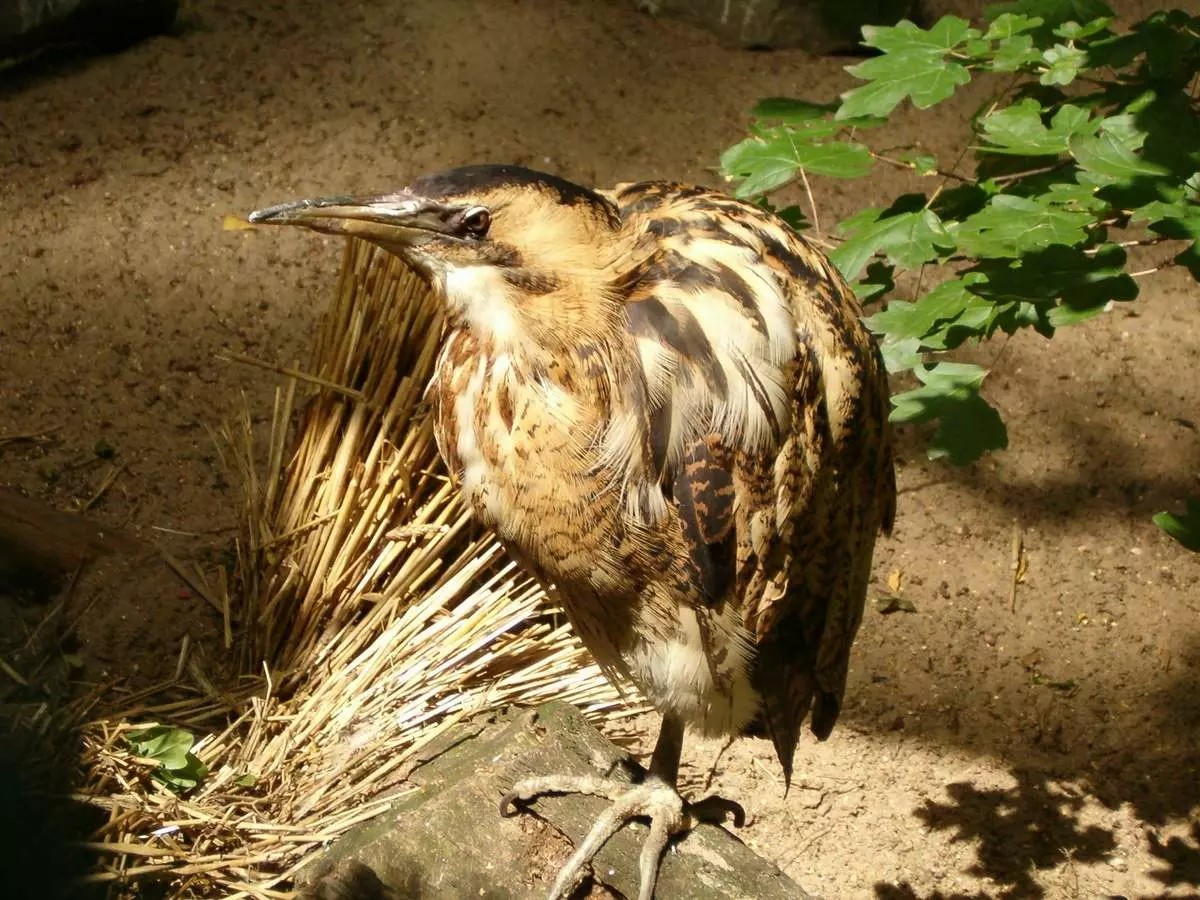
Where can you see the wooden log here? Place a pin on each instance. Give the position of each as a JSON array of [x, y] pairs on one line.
[[446, 839], [40, 542]]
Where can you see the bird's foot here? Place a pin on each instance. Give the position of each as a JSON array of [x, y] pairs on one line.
[[652, 798]]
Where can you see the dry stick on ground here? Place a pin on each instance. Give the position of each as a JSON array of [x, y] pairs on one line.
[[369, 614], [1017, 572]]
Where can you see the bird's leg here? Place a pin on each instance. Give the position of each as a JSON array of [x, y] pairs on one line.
[[654, 797]]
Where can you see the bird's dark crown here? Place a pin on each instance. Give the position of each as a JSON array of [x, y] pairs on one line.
[[486, 177]]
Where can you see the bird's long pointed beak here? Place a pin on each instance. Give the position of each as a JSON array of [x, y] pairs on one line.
[[392, 219]]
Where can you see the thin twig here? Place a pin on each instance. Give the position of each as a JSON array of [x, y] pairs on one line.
[[109, 478], [812, 202], [1016, 176], [1017, 549], [900, 164], [12, 673], [34, 436], [291, 372], [192, 582]]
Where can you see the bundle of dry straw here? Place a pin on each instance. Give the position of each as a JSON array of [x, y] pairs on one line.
[[372, 615]]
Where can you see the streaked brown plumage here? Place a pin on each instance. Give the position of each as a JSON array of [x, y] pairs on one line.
[[664, 403]]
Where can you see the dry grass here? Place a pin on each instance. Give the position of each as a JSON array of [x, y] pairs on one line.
[[366, 616]]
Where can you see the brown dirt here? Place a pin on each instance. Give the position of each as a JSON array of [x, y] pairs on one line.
[[985, 752]]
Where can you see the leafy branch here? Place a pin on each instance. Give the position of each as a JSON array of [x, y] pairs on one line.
[[1089, 132]]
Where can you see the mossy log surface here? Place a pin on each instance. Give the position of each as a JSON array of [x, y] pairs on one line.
[[444, 836]]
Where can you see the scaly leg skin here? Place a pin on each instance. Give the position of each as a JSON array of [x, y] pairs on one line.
[[655, 798]]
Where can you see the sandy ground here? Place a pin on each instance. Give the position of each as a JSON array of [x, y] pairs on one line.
[[1046, 749]]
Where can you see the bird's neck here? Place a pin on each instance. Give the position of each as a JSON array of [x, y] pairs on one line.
[[529, 312]]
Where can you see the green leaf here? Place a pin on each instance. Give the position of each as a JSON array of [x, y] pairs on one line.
[[1053, 12], [794, 216], [924, 77], [1069, 284], [792, 112], [1074, 196], [908, 238], [1074, 31], [901, 355], [1185, 528], [968, 427], [877, 282], [179, 768], [1015, 53], [1011, 225], [922, 163], [759, 172], [170, 746], [767, 162], [946, 34], [1019, 130], [1125, 129], [1184, 227], [1109, 161], [944, 303], [1008, 24], [1062, 64]]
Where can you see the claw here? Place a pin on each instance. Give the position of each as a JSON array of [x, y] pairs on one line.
[[713, 810], [511, 804], [651, 798]]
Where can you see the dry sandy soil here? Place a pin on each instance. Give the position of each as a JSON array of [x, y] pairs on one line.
[[1046, 750]]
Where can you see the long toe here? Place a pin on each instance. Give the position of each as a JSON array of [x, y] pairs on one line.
[[653, 799]]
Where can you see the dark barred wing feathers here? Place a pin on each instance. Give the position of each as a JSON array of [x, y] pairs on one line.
[[767, 424]]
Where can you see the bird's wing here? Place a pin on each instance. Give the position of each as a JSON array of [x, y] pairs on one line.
[[767, 420]]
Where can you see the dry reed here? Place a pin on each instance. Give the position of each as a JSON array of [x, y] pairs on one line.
[[369, 615]]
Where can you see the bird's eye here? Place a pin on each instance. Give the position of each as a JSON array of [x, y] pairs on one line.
[[477, 221]]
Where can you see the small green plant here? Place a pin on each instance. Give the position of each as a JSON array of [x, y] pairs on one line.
[[1088, 146], [1185, 528], [179, 769]]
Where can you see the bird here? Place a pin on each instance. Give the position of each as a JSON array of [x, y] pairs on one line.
[[664, 403]]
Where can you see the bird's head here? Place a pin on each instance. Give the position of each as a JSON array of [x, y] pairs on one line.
[[515, 254]]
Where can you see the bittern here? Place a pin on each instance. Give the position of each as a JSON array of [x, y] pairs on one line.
[[664, 403]]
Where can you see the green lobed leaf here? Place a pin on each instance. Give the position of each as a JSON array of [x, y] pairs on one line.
[[1062, 64], [1184, 226], [1185, 528], [794, 216], [875, 283], [1124, 128], [946, 34], [1109, 161], [1067, 283], [908, 237], [1074, 196], [1019, 129], [1007, 25], [922, 76], [945, 303], [1014, 53], [1010, 225], [1075, 31], [901, 355], [792, 112], [1052, 12], [949, 392], [767, 162]]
